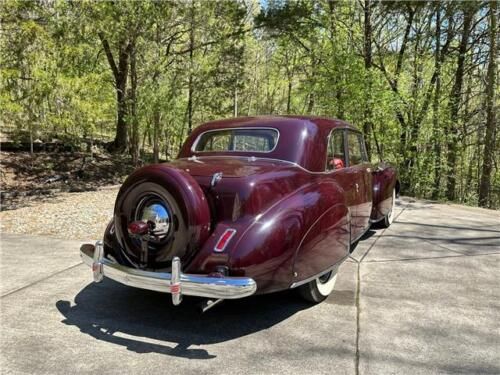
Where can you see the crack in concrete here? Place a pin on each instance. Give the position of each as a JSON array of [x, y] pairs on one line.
[[428, 258], [40, 280], [358, 277], [358, 290], [358, 293]]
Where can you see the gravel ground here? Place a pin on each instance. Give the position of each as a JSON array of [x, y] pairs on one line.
[[75, 216]]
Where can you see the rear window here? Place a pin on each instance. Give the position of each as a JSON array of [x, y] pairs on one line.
[[237, 140]]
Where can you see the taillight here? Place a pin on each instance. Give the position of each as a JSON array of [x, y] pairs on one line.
[[138, 228], [224, 240]]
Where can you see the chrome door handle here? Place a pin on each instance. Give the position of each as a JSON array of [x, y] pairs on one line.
[[357, 188], [369, 170]]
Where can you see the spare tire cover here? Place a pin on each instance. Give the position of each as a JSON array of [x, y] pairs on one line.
[[176, 201]]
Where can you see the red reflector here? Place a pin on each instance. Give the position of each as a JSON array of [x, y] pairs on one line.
[[175, 288], [224, 240]]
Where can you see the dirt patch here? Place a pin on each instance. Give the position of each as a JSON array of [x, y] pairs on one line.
[[30, 179]]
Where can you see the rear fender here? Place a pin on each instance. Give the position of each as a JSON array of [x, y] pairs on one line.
[[266, 246], [326, 243], [384, 181]]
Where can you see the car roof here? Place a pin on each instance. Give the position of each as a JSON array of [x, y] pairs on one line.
[[302, 139], [323, 123]]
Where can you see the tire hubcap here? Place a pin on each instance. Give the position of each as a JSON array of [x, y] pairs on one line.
[[156, 212]]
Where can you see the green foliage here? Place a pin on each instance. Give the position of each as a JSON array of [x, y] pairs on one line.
[[210, 60]]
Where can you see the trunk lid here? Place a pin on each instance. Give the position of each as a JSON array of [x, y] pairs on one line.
[[248, 185], [229, 167]]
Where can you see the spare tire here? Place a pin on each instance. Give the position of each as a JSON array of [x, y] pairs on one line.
[[177, 206]]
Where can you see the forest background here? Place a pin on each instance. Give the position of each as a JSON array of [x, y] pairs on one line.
[[135, 77]]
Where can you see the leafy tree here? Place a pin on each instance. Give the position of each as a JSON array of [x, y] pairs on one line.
[[419, 78]]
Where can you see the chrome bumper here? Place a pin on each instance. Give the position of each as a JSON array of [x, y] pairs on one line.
[[175, 282]]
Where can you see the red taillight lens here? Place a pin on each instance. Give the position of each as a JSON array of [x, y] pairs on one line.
[[224, 240], [138, 228]]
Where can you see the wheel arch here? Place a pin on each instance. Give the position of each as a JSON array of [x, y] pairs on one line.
[[327, 241]]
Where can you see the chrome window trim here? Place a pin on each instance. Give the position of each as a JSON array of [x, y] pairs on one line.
[[195, 143]]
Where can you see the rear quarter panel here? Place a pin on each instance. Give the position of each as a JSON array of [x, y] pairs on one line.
[[303, 234], [384, 181]]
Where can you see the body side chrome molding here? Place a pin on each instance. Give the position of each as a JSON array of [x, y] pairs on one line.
[[305, 281], [362, 233]]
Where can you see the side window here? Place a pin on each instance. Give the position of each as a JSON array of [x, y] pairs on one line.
[[357, 152], [364, 155], [336, 152]]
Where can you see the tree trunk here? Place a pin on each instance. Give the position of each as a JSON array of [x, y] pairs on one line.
[[311, 98], [134, 144], [489, 142], [435, 108], [310, 103], [120, 142], [191, 66], [156, 131], [190, 104], [235, 101], [289, 68], [181, 135], [167, 144], [289, 96], [31, 138], [367, 124], [145, 134], [120, 74], [455, 102]]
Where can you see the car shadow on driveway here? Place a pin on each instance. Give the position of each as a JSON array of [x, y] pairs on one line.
[[145, 321]]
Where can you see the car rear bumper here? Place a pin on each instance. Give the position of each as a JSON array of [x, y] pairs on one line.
[[174, 282]]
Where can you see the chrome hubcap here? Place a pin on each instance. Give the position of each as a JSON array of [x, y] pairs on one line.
[[155, 212]]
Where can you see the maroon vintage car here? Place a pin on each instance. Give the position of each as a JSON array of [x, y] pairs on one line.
[[251, 205]]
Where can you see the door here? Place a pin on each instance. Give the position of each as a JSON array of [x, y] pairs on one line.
[[350, 179], [360, 168]]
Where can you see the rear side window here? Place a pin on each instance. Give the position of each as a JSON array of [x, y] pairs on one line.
[[336, 151], [237, 140], [357, 152]]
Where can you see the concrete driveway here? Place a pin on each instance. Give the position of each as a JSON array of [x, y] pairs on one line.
[[420, 297]]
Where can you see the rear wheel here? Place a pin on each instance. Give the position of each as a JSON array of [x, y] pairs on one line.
[[319, 289], [389, 218]]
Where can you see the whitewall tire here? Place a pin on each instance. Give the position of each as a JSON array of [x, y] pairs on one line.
[[389, 218], [319, 289]]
